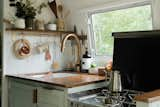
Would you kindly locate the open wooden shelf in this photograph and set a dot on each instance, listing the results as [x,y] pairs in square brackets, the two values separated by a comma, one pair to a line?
[44,32]
[49,32]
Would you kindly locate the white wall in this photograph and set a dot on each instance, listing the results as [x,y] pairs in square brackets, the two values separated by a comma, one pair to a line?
[35,63]
[156,13]
[46,15]
[1,27]
[79,15]
[1,10]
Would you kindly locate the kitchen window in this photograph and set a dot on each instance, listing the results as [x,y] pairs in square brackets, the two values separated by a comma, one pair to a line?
[133,18]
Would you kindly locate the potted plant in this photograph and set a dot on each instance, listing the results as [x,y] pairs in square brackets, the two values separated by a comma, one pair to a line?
[93,69]
[26,10]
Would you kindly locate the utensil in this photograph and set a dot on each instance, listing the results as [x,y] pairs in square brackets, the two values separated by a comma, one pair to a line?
[53,6]
[55,64]
[67,13]
[48,55]
[60,10]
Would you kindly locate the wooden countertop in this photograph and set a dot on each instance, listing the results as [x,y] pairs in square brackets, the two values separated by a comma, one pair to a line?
[68,82]
[149,97]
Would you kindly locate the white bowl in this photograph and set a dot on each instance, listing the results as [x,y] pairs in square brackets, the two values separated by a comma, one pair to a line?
[51,27]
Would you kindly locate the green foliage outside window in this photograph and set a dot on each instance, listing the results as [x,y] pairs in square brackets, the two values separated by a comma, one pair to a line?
[130,19]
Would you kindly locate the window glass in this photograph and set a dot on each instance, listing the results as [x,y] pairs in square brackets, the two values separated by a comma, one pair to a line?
[130,19]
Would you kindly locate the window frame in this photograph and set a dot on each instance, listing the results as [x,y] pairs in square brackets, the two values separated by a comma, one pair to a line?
[92,44]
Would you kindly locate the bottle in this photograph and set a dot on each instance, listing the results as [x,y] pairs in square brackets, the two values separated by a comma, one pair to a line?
[86,62]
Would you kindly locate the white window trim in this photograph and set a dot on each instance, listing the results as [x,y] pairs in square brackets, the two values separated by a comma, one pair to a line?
[111,8]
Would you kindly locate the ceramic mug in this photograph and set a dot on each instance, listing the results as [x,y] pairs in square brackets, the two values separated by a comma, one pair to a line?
[42,48]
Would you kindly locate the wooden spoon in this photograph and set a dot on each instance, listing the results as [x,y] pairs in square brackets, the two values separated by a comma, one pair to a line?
[60,9]
[48,55]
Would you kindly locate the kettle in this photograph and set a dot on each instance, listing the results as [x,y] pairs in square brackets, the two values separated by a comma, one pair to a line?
[116,85]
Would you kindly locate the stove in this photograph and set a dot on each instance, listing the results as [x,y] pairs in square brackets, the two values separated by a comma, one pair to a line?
[118,99]
[105,98]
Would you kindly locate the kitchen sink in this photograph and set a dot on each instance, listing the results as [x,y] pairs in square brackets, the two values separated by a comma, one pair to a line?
[60,75]
[54,75]
[37,76]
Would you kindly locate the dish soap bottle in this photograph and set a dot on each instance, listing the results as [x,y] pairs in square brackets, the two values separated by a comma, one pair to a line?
[86,62]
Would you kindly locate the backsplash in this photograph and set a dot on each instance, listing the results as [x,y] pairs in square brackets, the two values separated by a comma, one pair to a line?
[36,62]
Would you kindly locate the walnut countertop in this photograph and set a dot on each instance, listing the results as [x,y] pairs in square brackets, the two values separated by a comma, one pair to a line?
[149,97]
[67,82]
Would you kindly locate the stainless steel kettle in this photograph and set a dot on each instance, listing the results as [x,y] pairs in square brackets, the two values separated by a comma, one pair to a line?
[116,85]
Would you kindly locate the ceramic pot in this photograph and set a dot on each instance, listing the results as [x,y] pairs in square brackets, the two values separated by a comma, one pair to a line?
[60,25]
[93,70]
[29,23]
[19,23]
[52,27]
[39,25]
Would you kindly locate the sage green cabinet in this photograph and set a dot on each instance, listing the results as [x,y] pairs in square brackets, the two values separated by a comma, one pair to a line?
[50,98]
[25,93]
[45,105]
[22,95]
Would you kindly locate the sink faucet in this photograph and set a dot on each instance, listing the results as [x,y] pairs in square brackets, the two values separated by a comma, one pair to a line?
[78,49]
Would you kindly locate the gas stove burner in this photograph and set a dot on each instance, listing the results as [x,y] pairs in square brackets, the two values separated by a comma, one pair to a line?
[107,102]
[122,99]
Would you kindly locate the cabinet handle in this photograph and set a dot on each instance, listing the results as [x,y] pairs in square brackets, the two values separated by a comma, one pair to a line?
[35,96]
[50,88]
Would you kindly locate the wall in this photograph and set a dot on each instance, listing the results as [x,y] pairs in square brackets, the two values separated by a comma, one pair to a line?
[46,15]
[79,16]
[1,10]
[1,27]
[36,62]
[156,13]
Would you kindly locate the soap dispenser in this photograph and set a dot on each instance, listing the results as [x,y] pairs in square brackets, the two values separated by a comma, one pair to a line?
[86,61]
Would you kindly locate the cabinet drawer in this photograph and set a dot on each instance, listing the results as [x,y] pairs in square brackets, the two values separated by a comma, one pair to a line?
[48,96]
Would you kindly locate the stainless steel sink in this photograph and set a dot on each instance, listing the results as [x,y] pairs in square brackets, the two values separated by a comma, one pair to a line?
[54,75]
[61,75]
[37,76]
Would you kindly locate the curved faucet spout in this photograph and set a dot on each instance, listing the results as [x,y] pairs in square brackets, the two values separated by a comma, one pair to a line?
[78,48]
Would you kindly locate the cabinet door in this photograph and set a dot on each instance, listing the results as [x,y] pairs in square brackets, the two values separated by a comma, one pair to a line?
[50,97]
[21,95]
[46,105]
